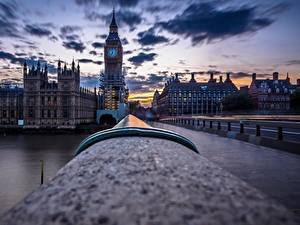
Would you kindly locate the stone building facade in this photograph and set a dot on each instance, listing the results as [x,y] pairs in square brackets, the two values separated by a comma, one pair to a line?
[61,104]
[194,98]
[11,105]
[271,94]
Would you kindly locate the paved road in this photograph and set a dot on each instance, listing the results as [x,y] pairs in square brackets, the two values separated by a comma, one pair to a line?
[274,172]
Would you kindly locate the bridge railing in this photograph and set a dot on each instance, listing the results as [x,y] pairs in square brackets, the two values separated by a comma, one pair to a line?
[274,129]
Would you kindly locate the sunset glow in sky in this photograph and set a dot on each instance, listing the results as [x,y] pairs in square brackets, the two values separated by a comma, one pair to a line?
[159,38]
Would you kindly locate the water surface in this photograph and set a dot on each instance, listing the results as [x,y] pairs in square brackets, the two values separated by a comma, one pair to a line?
[20,157]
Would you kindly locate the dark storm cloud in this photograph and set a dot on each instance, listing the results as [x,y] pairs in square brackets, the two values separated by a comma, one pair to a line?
[209,22]
[124,17]
[37,30]
[139,59]
[124,41]
[293,62]
[142,83]
[128,52]
[147,49]
[11,58]
[32,60]
[77,46]
[68,29]
[72,37]
[98,45]
[68,32]
[149,38]
[8,10]
[89,81]
[8,16]
[93,3]
[240,75]
[93,53]
[102,36]
[90,61]
[41,30]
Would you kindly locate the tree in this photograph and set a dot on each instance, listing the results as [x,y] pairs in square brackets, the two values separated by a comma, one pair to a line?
[237,102]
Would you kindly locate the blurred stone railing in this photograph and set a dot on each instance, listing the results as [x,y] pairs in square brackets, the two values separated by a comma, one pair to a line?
[144,180]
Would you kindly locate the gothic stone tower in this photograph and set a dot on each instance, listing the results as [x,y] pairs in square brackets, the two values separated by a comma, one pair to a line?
[113,78]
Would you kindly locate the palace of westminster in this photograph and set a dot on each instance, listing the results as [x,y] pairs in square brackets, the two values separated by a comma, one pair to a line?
[64,104]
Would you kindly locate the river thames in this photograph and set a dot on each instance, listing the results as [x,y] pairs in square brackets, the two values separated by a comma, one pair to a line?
[20,163]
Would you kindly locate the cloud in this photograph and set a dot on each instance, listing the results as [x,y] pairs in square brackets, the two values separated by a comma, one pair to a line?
[89,81]
[68,29]
[68,32]
[293,62]
[149,38]
[124,41]
[37,30]
[209,22]
[128,52]
[142,83]
[139,59]
[32,60]
[93,53]
[232,56]
[123,17]
[10,57]
[8,16]
[77,46]
[98,45]
[102,36]
[40,30]
[90,61]
[98,3]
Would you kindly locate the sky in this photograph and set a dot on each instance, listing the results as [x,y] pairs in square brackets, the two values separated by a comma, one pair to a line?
[159,38]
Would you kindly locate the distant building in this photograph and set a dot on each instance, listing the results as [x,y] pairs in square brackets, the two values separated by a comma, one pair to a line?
[271,94]
[11,105]
[178,98]
[61,104]
[154,103]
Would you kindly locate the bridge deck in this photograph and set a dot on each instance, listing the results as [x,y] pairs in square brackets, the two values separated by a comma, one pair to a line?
[274,172]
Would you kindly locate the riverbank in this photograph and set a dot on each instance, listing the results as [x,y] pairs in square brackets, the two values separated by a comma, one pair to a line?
[82,129]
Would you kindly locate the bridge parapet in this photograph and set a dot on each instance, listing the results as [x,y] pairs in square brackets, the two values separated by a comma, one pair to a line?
[275,134]
[142,180]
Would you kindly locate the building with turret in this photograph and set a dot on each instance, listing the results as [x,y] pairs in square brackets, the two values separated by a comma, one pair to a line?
[61,104]
[194,98]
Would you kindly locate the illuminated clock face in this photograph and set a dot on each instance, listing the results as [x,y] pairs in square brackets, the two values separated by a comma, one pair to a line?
[112,52]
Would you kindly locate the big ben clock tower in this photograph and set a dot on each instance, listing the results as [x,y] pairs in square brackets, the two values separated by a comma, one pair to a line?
[113,78]
[112,84]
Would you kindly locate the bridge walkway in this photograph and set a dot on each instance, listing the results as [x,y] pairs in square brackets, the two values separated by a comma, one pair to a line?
[274,172]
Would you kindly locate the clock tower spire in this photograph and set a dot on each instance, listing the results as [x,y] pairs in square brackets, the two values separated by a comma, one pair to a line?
[113,28]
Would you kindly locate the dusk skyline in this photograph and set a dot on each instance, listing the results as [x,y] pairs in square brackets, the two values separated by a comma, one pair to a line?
[158,39]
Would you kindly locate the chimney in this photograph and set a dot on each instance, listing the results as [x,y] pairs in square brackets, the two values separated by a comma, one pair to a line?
[211,77]
[275,75]
[228,76]
[288,77]
[221,79]
[192,78]
[253,76]
[176,76]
